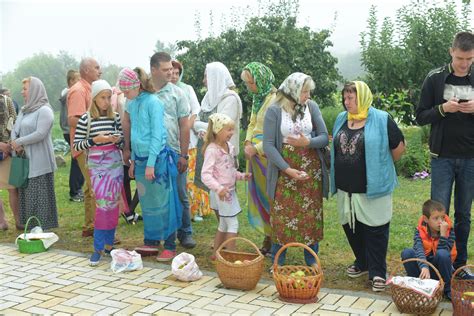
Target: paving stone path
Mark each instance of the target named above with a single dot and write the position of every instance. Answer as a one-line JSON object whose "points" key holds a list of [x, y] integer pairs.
{"points": [[62, 283]]}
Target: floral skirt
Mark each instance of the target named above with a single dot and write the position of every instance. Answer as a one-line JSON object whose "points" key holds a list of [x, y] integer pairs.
{"points": [[198, 198], [297, 211]]}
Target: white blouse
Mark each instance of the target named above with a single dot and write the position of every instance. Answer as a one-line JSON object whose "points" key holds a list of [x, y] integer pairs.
{"points": [[302, 125]]}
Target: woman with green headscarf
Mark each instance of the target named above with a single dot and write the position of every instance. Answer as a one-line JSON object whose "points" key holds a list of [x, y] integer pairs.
{"points": [[364, 136], [259, 81]]}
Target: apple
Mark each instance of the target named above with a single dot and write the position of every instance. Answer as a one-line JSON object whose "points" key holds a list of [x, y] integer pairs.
{"points": [[237, 262]]}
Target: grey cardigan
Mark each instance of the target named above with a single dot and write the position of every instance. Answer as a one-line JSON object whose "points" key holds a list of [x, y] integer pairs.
{"points": [[273, 143]]}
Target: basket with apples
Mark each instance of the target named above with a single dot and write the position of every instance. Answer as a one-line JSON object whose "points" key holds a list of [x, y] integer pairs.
{"points": [[462, 294]]}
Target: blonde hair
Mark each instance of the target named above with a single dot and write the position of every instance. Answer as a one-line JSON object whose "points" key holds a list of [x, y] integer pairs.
{"points": [[146, 83], [211, 136], [95, 111], [27, 79], [246, 76]]}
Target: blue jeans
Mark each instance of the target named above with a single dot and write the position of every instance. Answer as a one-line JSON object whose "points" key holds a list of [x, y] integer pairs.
{"points": [[186, 228], [170, 242], [102, 238], [441, 261], [308, 258], [445, 172]]}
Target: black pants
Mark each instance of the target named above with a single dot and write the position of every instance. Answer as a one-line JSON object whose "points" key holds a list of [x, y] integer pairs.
{"points": [[76, 180], [132, 203], [369, 245]]}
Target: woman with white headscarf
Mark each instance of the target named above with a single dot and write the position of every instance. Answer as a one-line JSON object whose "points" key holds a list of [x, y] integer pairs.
{"points": [[219, 98], [293, 133], [32, 135]]}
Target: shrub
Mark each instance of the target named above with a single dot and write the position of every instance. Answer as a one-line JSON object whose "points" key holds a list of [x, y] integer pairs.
{"points": [[417, 154], [329, 115]]}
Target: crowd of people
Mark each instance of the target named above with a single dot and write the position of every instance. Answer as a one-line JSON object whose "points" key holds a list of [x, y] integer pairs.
{"points": [[183, 157]]}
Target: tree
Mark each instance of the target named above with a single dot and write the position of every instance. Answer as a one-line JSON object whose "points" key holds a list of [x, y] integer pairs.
{"points": [[400, 54], [169, 48]]}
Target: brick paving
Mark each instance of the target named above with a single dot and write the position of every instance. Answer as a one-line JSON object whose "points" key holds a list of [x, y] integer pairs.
{"points": [[62, 283]]}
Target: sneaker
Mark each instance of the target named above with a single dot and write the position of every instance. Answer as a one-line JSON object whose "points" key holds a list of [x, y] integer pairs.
{"points": [[76, 198], [147, 250], [353, 271], [188, 242], [95, 258], [166, 255], [132, 218], [465, 274], [378, 284]]}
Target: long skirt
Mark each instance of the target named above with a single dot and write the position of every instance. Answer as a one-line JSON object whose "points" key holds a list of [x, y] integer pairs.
{"points": [[297, 211], [198, 198], [258, 202], [161, 208], [106, 173], [38, 199]]}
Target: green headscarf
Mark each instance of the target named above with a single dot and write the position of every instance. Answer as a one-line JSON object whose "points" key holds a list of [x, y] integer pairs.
{"points": [[264, 78]]}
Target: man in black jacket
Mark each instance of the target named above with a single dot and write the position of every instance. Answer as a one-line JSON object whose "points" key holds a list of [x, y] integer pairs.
{"points": [[447, 103]]}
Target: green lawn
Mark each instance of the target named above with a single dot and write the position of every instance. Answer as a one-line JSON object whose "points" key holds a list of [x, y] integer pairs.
{"points": [[335, 253]]}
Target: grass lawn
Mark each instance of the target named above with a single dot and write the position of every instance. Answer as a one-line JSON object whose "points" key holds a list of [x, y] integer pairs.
{"points": [[335, 253]]}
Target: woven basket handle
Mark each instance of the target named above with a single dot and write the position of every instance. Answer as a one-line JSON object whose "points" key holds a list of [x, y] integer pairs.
{"points": [[294, 244], [239, 238], [424, 261], [28, 221], [458, 270]]}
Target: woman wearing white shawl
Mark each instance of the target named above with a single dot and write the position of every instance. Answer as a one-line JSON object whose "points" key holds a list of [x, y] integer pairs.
{"points": [[219, 98]]}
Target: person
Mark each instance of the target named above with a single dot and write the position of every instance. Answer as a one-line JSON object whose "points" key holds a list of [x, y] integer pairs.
{"points": [[31, 136], [78, 100], [7, 120], [447, 104], [259, 81], [434, 241], [198, 198], [293, 133], [219, 98], [220, 174], [99, 131], [76, 180], [177, 127], [364, 136], [153, 164], [7, 93]]}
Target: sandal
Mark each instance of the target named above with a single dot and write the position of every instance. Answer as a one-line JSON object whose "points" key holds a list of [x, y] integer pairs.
{"points": [[378, 284], [354, 271]]}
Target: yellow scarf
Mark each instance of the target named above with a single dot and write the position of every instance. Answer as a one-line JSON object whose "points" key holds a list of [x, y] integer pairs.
{"points": [[364, 101]]}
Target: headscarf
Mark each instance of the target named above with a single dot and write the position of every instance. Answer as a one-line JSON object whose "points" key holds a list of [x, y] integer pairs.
{"points": [[291, 88], [128, 79], [37, 96], [364, 101], [219, 81], [180, 83], [219, 120], [263, 78]]}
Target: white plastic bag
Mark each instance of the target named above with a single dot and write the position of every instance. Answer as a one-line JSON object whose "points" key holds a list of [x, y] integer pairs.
{"points": [[185, 268], [124, 260]]}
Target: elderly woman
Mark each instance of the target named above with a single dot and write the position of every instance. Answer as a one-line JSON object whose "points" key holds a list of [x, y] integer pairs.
{"points": [[364, 136], [293, 133], [259, 81], [219, 98], [32, 135]]}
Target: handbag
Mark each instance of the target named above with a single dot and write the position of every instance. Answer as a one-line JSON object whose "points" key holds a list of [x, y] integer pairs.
{"points": [[19, 170]]}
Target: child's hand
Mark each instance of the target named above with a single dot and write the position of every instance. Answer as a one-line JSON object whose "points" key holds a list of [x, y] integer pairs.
{"points": [[150, 173], [443, 229], [425, 273], [247, 176], [223, 194]]}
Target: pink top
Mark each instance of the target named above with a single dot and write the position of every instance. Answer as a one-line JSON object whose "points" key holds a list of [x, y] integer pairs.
{"points": [[219, 169]]}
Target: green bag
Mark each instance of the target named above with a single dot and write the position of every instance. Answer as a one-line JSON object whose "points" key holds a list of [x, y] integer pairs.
{"points": [[19, 171]]}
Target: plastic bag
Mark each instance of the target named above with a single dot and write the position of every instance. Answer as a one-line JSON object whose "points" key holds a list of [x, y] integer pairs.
{"points": [[185, 268], [124, 260]]}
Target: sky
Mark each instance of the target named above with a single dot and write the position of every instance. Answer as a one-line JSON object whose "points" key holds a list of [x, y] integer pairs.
{"points": [[125, 32]]}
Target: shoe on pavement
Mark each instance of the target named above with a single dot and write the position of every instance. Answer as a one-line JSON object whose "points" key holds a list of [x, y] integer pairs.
{"points": [[95, 258], [353, 271], [188, 242], [146, 251], [378, 284], [166, 255]]}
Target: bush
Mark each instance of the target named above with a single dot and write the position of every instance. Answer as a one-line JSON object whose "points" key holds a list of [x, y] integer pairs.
{"points": [[398, 105], [329, 115], [417, 154]]}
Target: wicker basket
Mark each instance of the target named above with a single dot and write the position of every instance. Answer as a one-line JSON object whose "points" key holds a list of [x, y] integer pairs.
{"points": [[301, 290], [30, 245], [244, 276], [463, 305], [410, 302]]}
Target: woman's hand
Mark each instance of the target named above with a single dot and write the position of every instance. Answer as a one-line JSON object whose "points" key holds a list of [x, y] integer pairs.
{"points": [[249, 150], [296, 174], [115, 138], [102, 138], [425, 273], [247, 176], [131, 170], [202, 134], [298, 140], [17, 148], [5, 148], [150, 173]]}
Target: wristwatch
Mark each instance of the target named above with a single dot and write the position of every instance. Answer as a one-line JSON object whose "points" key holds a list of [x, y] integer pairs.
{"points": [[185, 156]]}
